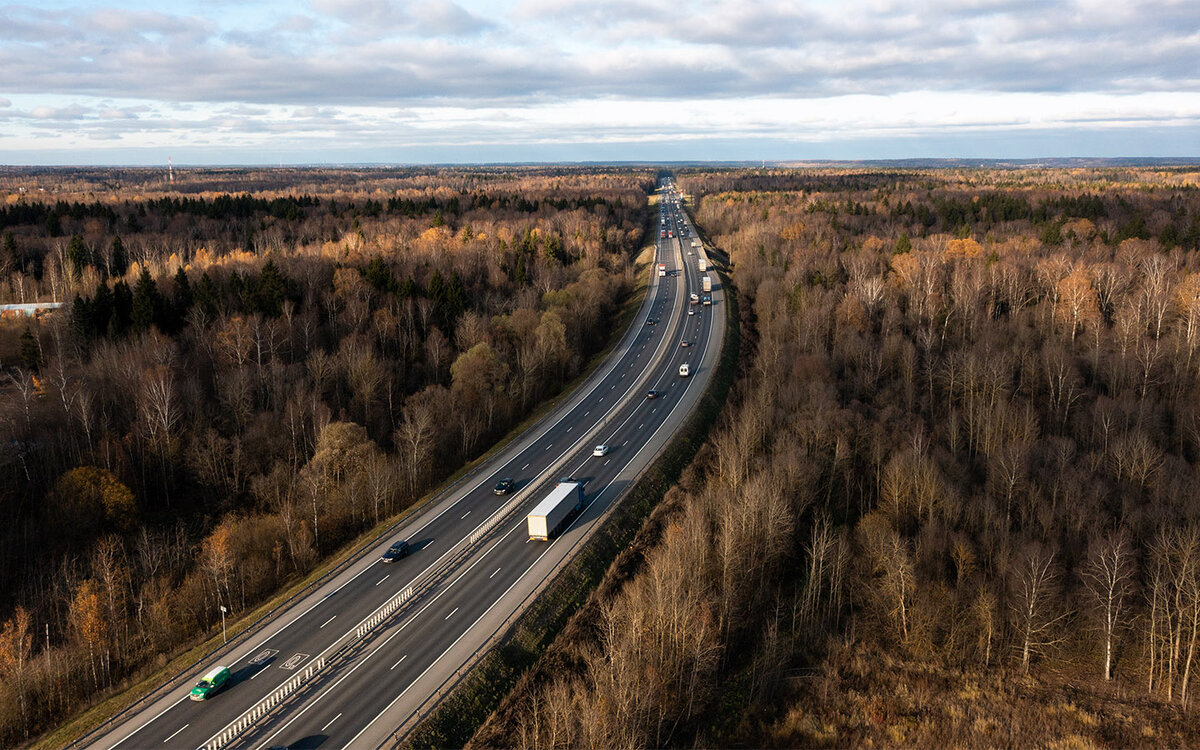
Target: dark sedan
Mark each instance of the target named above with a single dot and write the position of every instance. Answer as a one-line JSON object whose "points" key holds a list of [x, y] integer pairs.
{"points": [[396, 551]]}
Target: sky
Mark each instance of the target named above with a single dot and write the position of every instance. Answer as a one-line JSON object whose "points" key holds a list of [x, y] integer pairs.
{"points": [[139, 82]]}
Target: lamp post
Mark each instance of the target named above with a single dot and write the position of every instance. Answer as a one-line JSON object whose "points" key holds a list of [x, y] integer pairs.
{"points": [[223, 611]]}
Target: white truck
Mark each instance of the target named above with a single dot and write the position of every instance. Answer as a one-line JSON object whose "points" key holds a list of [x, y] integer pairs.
{"points": [[706, 284], [550, 514], [703, 265], [662, 269]]}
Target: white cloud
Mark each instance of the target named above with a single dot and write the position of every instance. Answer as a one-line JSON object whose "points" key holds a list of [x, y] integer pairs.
{"points": [[565, 71]]}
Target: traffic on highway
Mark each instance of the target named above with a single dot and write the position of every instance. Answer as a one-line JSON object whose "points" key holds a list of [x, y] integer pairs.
{"points": [[453, 576]]}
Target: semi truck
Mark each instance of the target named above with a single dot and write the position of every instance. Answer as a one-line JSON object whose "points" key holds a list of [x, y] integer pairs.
{"points": [[548, 517], [706, 283]]}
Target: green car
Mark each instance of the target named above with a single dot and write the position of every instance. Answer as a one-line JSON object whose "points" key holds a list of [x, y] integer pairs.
{"points": [[210, 683]]}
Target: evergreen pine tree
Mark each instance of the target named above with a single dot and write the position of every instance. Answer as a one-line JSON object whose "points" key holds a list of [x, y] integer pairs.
{"points": [[83, 320], [31, 351], [183, 299], [119, 263], [102, 309], [147, 304], [10, 256], [205, 295], [118, 323], [77, 254], [270, 291]]}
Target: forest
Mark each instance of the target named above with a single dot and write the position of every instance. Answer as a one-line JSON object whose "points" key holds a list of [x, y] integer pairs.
{"points": [[251, 369], [954, 499]]}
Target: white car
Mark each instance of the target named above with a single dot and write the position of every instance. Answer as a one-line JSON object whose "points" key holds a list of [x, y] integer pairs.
{"points": [[600, 450], [691, 312], [683, 370]]}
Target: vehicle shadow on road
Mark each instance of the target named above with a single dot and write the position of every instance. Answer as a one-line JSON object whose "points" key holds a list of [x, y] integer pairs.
{"points": [[250, 670]]}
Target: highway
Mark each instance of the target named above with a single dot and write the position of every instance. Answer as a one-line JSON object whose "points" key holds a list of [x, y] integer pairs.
{"points": [[473, 567]]}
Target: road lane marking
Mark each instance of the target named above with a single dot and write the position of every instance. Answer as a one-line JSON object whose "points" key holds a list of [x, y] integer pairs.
{"points": [[548, 447], [465, 514], [526, 466], [606, 462], [381, 580], [587, 413], [402, 658], [447, 617], [452, 645], [177, 731], [294, 662], [493, 575], [331, 619], [331, 721], [417, 614]]}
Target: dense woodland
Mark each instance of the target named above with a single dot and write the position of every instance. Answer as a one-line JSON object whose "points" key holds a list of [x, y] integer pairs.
{"points": [[253, 368], [955, 499]]}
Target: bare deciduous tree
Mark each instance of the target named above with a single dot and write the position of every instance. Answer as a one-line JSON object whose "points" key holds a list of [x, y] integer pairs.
{"points": [[1033, 602], [1108, 577]]}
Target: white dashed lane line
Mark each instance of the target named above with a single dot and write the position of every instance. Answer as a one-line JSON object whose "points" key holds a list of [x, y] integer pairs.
{"points": [[177, 731]]}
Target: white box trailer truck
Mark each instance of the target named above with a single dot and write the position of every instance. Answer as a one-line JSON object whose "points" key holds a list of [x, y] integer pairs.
{"points": [[550, 514], [706, 284], [703, 265]]}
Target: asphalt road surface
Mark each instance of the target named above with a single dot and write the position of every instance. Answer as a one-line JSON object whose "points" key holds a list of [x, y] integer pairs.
{"points": [[471, 571]]}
